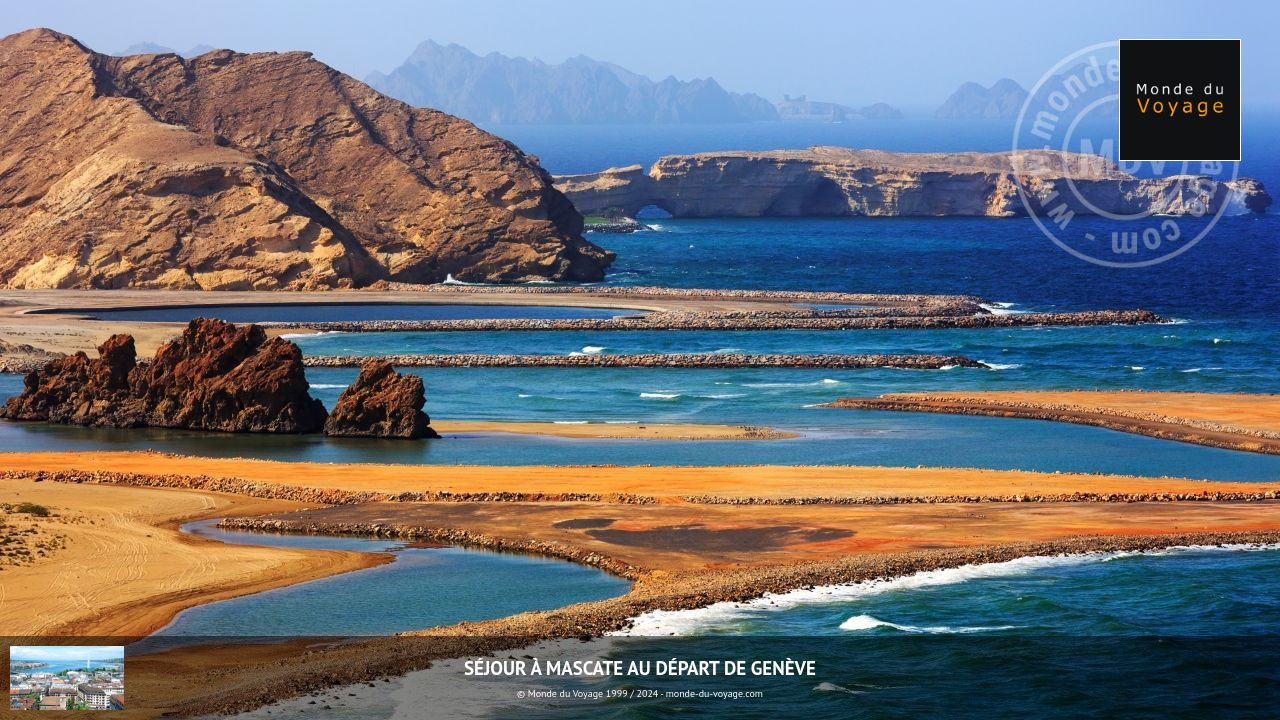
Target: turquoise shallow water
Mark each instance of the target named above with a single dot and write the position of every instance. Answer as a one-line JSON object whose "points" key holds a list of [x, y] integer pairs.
{"points": [[423, 587]]}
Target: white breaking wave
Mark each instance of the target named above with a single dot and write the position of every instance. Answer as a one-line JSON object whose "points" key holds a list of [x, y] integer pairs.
{"points": [[592, 350], [832, 687], [326, 386], [722, 396], [824, 381], [692, 622], [867, 622], [1137, 368], [725, 351], [1000, 308], [1219, 341], [449, 279], [1000, 366], [569, 422], [659, 395], [302, 336]]}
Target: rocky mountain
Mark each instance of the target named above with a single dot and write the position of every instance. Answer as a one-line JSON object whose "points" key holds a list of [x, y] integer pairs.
{"points": [[801, 108], [500, 89], [150, 48], [833, 181], [260, 171], [1002, 100]]}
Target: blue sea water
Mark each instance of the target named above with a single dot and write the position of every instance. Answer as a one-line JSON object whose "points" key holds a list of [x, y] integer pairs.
{"points": [[1185, 633]]}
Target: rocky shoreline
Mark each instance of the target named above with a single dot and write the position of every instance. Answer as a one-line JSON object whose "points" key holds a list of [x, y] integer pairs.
{"points": [[772, 320], [318, 668], [657, 360], [1165, 427]]}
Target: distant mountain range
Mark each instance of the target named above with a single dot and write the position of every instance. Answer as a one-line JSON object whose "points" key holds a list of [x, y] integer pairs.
{"points": [[500, 89], [150, 48], [1002, 100]]}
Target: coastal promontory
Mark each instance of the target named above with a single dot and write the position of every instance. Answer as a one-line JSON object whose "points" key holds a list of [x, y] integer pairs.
{"points": [[835, 181], [256, 171]]}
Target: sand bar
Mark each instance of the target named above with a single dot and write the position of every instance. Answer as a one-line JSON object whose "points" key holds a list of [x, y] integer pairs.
{"points": [[1226, 420], [661, 483]]}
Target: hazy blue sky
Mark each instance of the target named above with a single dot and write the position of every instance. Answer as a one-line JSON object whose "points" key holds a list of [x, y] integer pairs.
{"points": [[906, 53]]}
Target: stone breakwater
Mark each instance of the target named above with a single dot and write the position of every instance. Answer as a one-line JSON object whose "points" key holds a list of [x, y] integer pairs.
{"points": [[1074, 497], [330, 496], [1166, 427], [640, 291], [314, 669], [656, 360], [799, 320], [451, 536], [294, 493]]}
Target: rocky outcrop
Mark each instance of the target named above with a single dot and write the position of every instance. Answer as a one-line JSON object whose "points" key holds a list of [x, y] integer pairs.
{"points": [[500, 89], [214, 377], [831, 181], [381, 403], [218, 376], [258, 171], [76, 390]]}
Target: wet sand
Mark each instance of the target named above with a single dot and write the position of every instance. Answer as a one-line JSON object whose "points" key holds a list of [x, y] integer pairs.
{"points": [[1232, 421], [125, 569]]}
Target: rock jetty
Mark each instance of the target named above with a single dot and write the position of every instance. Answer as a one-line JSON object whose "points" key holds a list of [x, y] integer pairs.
{"points": [[216, 376], [658, 360], [381, 403], [869, 319], [836, 181]]}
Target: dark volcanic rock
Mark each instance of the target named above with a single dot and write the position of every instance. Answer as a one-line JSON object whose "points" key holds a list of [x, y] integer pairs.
{"points": [[215, 377], [221, 377], [381, 403], [75, 390]]}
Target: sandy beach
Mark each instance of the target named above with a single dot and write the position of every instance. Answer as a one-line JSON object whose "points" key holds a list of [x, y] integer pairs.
{"points": [[1228, 420], [125, 569]]}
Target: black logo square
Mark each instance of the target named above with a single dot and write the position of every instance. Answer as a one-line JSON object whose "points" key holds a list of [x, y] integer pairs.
{"points": [[1180, 100]]}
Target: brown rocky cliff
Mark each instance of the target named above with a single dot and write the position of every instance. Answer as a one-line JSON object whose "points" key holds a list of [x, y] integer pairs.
{"points": [[832, 181], [232, 171], [381, 403]]}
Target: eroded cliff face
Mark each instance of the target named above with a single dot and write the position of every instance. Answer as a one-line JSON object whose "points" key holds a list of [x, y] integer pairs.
{"points": [[270, 170], [827, 181]]}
